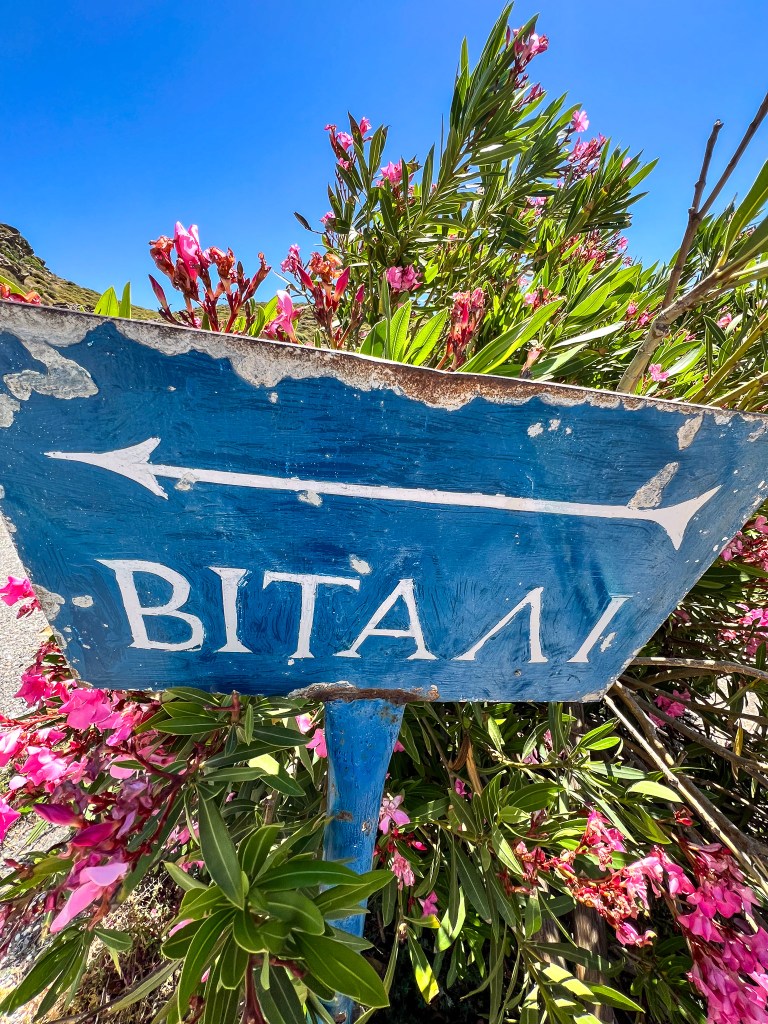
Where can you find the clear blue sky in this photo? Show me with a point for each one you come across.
(118, 119)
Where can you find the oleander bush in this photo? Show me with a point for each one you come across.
(534, 862)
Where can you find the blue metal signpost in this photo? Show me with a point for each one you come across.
(252, 516)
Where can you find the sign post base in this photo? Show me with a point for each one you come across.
(360, 736)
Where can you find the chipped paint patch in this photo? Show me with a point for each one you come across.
(86, 601)
(8, 409)
(651, 493)
(607, 642)
(311, 498)
(688, 431)
(50, 602)
(535, 429)
(359, 565)
(554, 424)
(758, 433)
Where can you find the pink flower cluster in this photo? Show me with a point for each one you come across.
(342, 143)
(466, 316)
(191, 268)
(66, 760)
(324, 282)
(403, 279)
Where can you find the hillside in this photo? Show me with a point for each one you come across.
(20, 264)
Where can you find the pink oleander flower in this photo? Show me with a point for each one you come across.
(393, 173)
(628, 935)
(724, 320)
(16, 590)
(304, 723)
(41, 766)
(403, 279)
(462, 788)
(95, 835)
(7, 817)
(632, 309)
(328, 218)
(56, 814)
(674, 706)
(402, 870)
(34, 687)
(579, 121)
(87, 707)
(10, 745)
(398, 748)
(318, 744)
(292, 261)
(188, 248)
(345, 140)
(656, 373)
(98, 882)
(390, 813)
(621, 243)
(282, 325)
(429, 905)
(364, 125)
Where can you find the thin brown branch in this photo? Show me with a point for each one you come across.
(704, 709)
(710, 815)
(696, 737)
(738, 153)
(671, 309)
(695, 217)
(707, 666)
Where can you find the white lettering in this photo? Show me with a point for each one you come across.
(403, 590)
(582, 655)
(533, 601)
(230, 580)
(309, 585)
(125, 571)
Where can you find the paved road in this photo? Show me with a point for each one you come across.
(18, 639)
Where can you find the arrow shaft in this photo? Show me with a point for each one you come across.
(419, 495)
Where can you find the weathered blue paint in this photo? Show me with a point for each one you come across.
(160, 466)
(361, 736)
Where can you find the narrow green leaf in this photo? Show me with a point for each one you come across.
(398, 331)
(198, 955)
(649, 788)
(219, 852)
(182, 878)
(234, 962)
(296, 876)
(280, 1003)
(422, 970)
(253, 851)
(108, 304)
(341, 969)
(124, 309)
(472, 881)
(297, 911)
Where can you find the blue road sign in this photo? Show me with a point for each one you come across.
(249, 515)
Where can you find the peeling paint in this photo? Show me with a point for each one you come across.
(607, 642)
(359, 565)
(264, 363)
(535, 429)
(50, 602)
(347, 692)
(651, 493)
(86, 601)
(8, 409)
(311, 498)
(688, 431)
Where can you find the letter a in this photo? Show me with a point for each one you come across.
(125, 571)
(404, 590)
(533, 600)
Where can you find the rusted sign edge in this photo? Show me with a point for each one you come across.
(264, 363)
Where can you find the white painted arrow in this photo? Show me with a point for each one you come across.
(134, 463)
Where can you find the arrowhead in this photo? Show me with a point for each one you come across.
(132, 462)
(676, 518)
